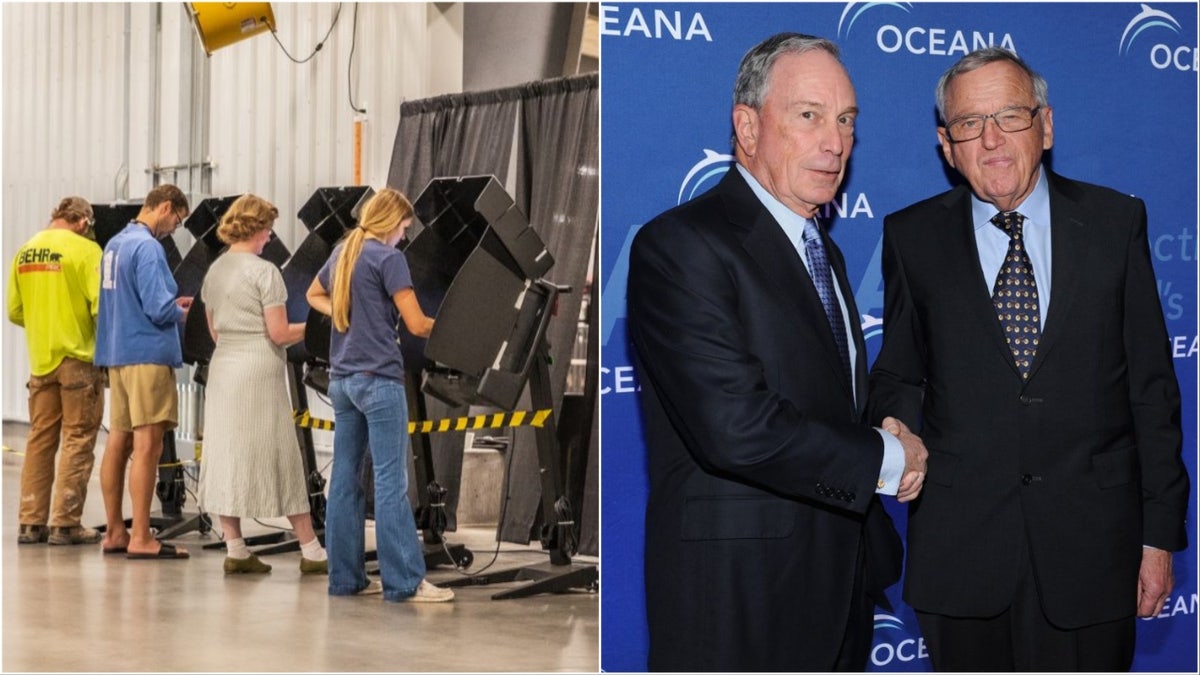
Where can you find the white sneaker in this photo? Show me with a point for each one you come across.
(373, 587)
(427, 592)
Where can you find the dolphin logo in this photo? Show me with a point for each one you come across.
(872, 326)
(906, 6)
(713, 164)
(1147, 18)
(888, 621)
(612, 295)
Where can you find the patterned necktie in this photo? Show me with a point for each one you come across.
(1015, 294)
(822, 277)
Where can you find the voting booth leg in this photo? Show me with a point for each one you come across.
(430, 514)
(172, 521)
(560, 574)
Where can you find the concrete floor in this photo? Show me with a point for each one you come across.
(71, 608)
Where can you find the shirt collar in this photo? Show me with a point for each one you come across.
(791, 222)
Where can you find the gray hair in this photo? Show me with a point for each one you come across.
(750, 88)
(982, 57)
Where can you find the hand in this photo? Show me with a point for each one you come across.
(185, 303)
(1155, 581)
(915, 458)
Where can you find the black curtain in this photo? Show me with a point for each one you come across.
(558, 188)
(451, 135)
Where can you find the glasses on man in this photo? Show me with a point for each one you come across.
(89, 228)
(1009, 120)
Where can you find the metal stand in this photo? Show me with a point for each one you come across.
(171, 522)
(285, 541)
(431, 518)
(172, 495)
(558, 531)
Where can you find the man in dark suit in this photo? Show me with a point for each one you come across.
(1023, 334)
(766, 546)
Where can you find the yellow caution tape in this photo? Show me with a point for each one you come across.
(517, 418)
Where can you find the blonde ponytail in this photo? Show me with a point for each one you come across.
(380, 216)
(343, 272)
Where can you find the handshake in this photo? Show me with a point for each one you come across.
(915, 457)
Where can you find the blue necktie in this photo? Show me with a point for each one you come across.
(822, 277)
(1015, 294)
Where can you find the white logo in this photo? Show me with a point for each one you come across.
(714, 164)
(922, 40)
(1147, 18)
(1162, 56)
(662, 25)
(908, 649)
(906, 6)
(888, 621)
(872, 327)
(1181, 605)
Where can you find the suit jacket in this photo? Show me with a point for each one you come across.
(1081, 462)
(761, 470)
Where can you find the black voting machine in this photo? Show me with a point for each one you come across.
(478, 267)
(479, 261)
(329, 214)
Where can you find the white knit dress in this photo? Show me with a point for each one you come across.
(251, 464)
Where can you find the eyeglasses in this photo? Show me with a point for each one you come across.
(89, 228)
(1009, 120)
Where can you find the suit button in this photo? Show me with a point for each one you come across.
(1026, 479)
(850, 498)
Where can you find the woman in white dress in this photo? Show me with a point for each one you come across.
(252, 467)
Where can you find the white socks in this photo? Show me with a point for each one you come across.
(236, 548)
(313, 550)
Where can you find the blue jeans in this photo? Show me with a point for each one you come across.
(372, 412)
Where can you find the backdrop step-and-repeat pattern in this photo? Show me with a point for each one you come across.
(1123, 87)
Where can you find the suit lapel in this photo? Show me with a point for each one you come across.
(962, 256)
(776, 256)
(1068, 249)
(859, 371)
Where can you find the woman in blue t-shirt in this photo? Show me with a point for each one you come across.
(368, 279)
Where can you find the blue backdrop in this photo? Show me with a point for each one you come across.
(1123, 87)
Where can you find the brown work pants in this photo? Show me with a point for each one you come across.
(67, 403)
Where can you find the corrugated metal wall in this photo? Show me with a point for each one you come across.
(282, 129)
(96, 95)
(64, 116)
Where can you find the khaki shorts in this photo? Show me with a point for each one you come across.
(142, 394)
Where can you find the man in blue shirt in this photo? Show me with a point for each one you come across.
(137, 340)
